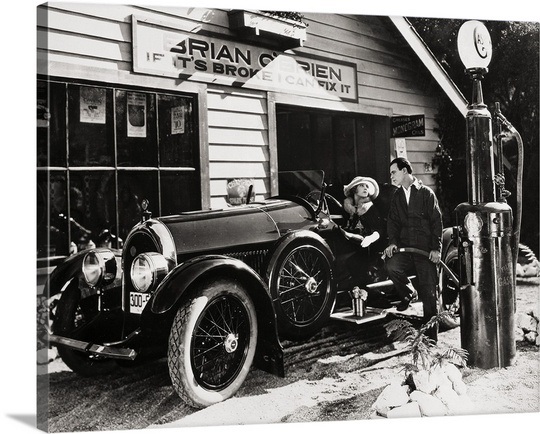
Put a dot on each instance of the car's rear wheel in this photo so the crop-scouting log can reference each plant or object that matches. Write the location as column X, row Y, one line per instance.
column 301, row 287
column 72, row 317
column 449, row 292
column 212, row 343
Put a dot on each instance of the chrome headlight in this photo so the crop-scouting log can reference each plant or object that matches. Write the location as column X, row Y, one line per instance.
column 99, row 267
column 147, row 270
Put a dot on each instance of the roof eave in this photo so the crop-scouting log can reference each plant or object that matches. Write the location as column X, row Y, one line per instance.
column 429, row 60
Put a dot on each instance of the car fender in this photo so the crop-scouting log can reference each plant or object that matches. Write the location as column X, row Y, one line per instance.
column 285, row 240
column 447, row 241
column 71, row 269
column 63, row 274
column 170, row 292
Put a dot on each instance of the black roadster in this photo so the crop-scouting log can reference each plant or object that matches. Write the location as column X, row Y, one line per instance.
column 215, row 291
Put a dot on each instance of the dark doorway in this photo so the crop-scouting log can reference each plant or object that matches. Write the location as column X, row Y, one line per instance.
column 344, row 145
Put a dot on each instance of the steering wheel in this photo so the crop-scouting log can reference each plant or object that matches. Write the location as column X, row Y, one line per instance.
column 313, row 198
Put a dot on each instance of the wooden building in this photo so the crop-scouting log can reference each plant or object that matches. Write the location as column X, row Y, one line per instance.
column 177, row 104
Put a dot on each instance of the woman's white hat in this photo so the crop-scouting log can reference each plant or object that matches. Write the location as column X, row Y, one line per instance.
column 373, row 187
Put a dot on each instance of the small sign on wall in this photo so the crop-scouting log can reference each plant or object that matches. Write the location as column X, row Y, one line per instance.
column 401, row 148
column 408, row 126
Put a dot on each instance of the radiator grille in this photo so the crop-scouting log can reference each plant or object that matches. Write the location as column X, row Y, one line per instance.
column 253, row 258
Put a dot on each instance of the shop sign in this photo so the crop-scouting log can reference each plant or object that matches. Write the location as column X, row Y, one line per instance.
column 160, row 50
column 408, row 126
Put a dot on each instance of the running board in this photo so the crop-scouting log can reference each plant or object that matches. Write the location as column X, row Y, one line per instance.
column 414, row 311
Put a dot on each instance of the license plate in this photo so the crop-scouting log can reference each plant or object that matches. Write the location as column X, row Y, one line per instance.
column 137, row 301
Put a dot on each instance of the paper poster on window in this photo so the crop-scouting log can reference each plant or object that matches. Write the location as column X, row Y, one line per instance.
column 177, row 120
column 136, row 115
column 92, row 105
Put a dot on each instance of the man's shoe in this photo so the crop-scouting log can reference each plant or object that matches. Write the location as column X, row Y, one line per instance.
column 404, row 304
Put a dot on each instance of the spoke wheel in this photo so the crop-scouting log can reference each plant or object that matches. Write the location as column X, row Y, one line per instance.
column 212, row 343
column 449, row 292
column 301, row 286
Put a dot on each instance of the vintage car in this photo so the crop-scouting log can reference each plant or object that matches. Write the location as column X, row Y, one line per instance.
column 214, row 291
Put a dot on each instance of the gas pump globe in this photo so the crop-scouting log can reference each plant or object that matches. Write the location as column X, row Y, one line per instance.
column 484, row 226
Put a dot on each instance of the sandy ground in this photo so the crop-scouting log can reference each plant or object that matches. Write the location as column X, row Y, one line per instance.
column 349, row 395
column 334, row 388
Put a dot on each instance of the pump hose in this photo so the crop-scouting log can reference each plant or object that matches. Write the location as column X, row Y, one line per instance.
column 445, row 267
column 519, row 186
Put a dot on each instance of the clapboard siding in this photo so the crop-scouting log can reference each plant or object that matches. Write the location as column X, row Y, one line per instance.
column 60, row 42
column 81, row 24
column 94, row 41
column 242, row 120
column 247, row 105
column 238, row 153
column 228, row 136
column 226, row 170
column 243, row 151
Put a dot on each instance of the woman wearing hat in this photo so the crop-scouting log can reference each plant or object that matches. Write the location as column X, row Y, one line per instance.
column 365, row 225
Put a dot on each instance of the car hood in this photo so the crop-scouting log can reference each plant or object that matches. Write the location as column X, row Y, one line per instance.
column 219, row 230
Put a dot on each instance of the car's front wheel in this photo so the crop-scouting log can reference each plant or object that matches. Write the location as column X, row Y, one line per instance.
column 212, row 343
column 301, row 287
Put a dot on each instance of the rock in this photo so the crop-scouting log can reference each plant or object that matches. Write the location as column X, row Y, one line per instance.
column 531, row 337
column 519, row 335
column 530, row 270
column 538, row 340
column 460, row 388
column 467, row 406
column 526, row 322
column 412, row 409
column 449, row 397
column 533, row 311
column 429, row 404
column 392, row 396
column 423, row 381
column 452, row 372
column 437, row 376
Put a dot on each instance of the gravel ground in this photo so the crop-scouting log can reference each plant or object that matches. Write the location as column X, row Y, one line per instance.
column 335, row 377
column 348, row 395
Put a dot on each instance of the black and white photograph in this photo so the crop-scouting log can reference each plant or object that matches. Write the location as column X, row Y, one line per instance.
column 275, row 216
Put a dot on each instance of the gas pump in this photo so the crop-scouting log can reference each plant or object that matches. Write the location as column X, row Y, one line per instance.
column 487, row 240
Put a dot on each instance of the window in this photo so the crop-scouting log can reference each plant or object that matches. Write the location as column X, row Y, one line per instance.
column 101, row 150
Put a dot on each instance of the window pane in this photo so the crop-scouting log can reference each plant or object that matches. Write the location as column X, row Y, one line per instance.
column 51, row 124
column 177, row 134
column 52, row 215
column 180, row 191
column 133, row 187
column 136, row 128
column 92, row 205
column 91, row 126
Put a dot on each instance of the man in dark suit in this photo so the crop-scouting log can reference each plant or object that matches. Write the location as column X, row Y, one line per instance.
column 414, row 220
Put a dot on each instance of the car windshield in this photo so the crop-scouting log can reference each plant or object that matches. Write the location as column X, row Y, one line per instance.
column 301, row 183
